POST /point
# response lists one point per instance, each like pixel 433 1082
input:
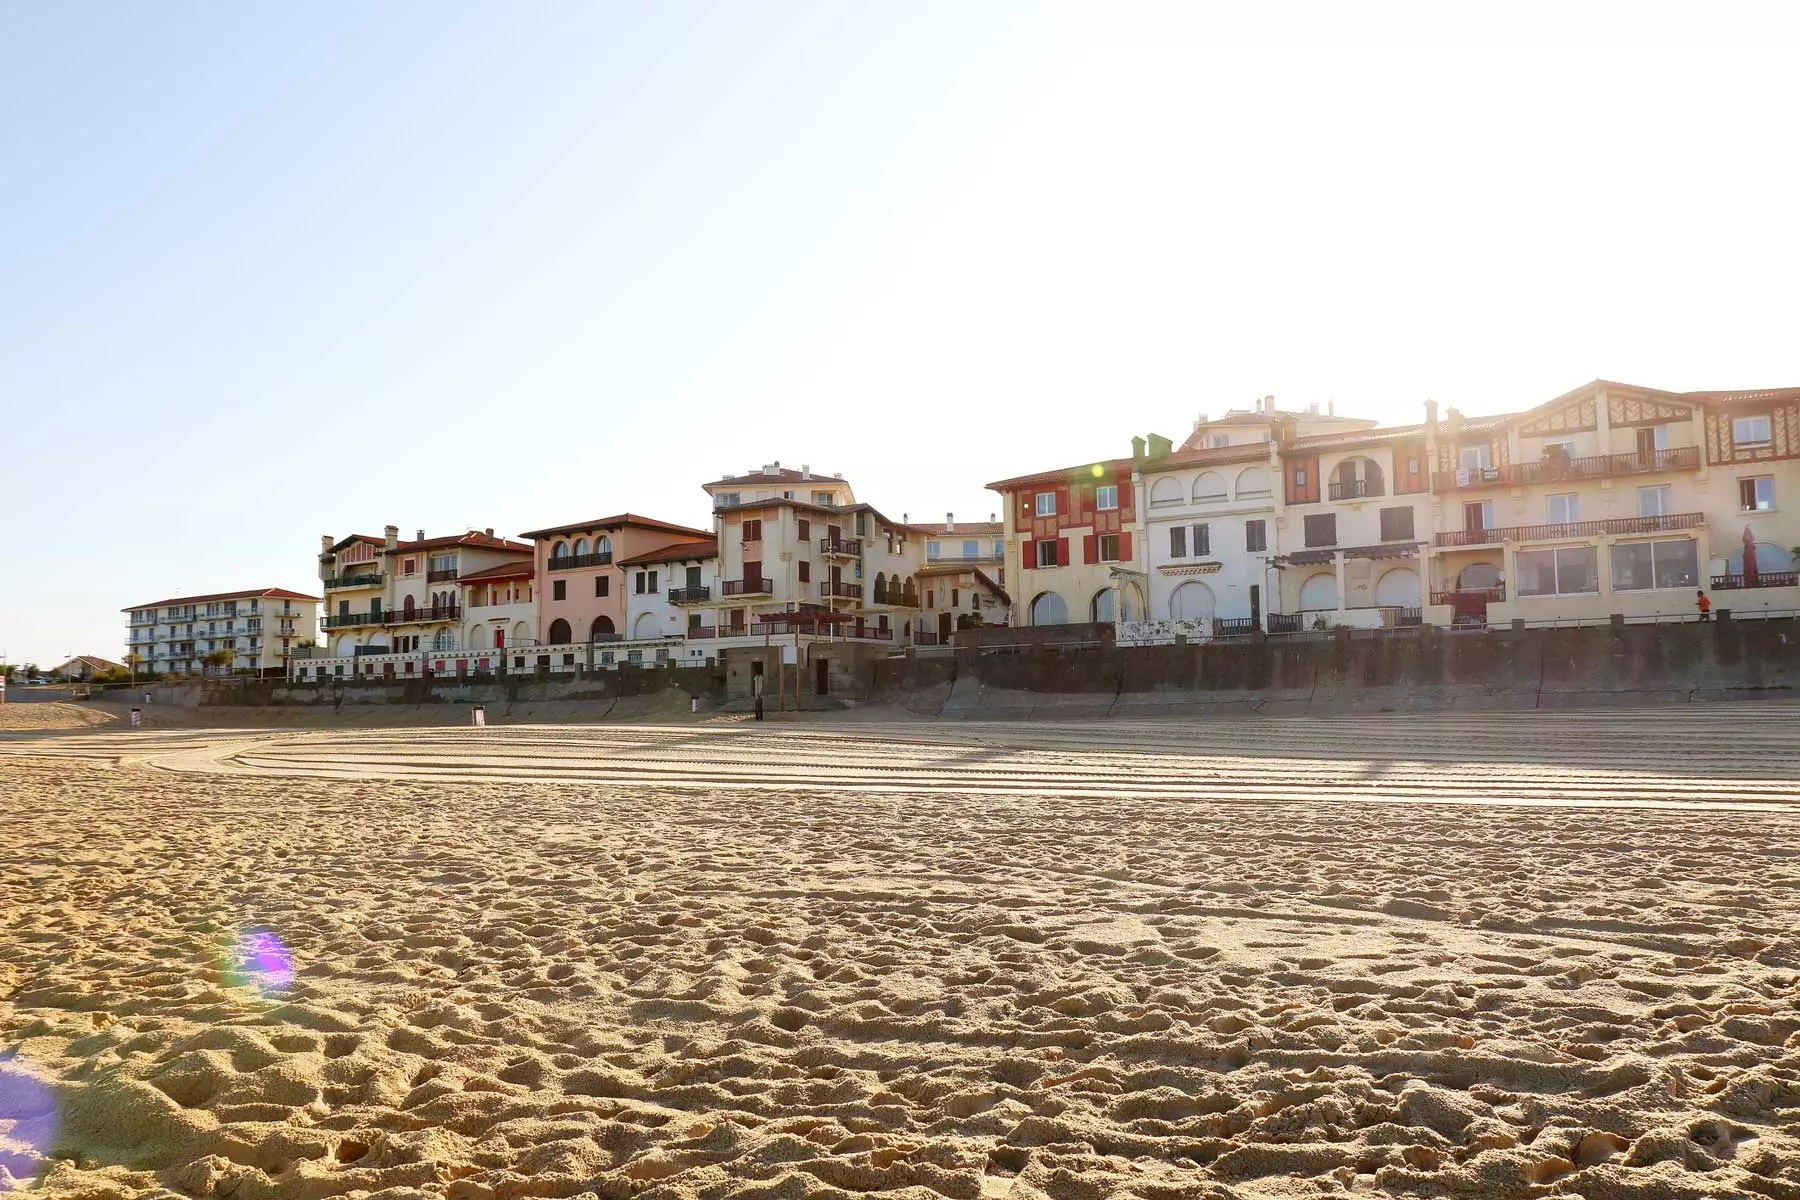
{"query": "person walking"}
pixel 1704 605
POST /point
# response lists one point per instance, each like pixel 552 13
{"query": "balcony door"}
pixel 1478 515
pixel 752 573
pixel 693 577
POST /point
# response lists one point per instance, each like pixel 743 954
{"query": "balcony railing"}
pixel 352 620
pixel 1469 598
pixel 1557 469
pixel 702 631
pixel 426 612
pixel 841 590
pixel 848 547
pixel 572 562
pixel 1356 489
pixel 440 576
pixel 361 579
pixel 1233 626
pixel 1569 529
pixel 690 595
pixel 1284 622
pixel 1729 583
pixel 746 587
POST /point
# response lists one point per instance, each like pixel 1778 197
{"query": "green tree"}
pixel 221 660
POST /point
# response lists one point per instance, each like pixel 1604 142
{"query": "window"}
pixel 1570 571
pixel 728 499
pixel 1108 544
pixel 753 531
pixel 560 550
pixel 1478 515
pixel 1651 438
pixel 602 585
pixel 1757 494
pixel 1046 504
pixel 999 549
pixel 1178 541
pixel 1202 540
pixel 1671 563
pixel 1300 478
pixel 805 528
pixel 1563 448
pixel 788 495
pixel 1256 536
pixel 1563 510
pixel 931 550
pixel 1106 498
pixel 410 566
pixel 1046 553
pixel 559 589
pixel 955 597
pixel 1655 501
pixel 1750 431
pixel 1396 524
pixel 971 549
pixel 1220 440
pixel 822 498
pixel 653 581
pixel 1321 529
pixel 1475 458
pixel 805 572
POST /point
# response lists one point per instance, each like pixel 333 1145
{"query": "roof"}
pixel 1351 438
pixel 1248 452
pixel 674 552
pixel 512 570
pixel 475 539
pixel 952 568
pixel 783 475
pixel 1301 558
pixel 970 528
pixel 618 522
pixel 365 538
pixel 1110 466
pixel 267 593
pixel 94 661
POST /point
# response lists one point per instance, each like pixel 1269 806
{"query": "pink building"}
pixel 579 597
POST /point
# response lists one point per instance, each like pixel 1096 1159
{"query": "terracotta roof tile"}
pixel 617 522
pixel 675 552
pixel 268 593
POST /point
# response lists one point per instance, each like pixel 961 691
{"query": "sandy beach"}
pixel 1527 955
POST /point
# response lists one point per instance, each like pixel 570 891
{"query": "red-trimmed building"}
pixel 1070 549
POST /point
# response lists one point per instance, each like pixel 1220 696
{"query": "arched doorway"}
pixel 1104 608
pixel 1356 477
pixel 559 632
pixel 444 639
pixel 645 626
pixel 1319 594
pixel 1049 609
pixel 601 628
pixel 1192 601
pixel 1131 603
pixel 407 609
pixel 1398 588
pixel 521 634
pixel 1770 560
pixel 1478 577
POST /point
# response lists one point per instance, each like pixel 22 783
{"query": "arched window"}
pixel 559 632
pixel 1398 588
pixel 580 546
pixel 445 640
pixel 881 588
pixel 603 545
pixel 601 628
pixel 407 609
pixel 1319 593
pixel 1770 560
pixel 1210 486
pixel 560 550
pixel 1478 577
pixel 1355 478
pixel 521 634
pixel 1104 607
pixel 645 626
pixel 1253 484
pixel 1192 601
pixel 478 638
pixel 910 597
pixel 1166 490
pixel 1049 609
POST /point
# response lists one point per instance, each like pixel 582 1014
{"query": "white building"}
pixel 262 629
pixel 1209 525
pixel 660 586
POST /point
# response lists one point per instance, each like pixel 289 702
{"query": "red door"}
pixel 499 639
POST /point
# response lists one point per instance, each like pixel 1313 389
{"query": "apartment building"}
pixel 579 598
pixel 389 596
pixel 1072 544
pixel 1210 519
pixel 1616 499
pixel 659 584
pixel 797 552
pixel 499 606
pixel 261 628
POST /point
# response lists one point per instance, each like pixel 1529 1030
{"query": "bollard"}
pixel 137 717
pixel 693 704
pixel 478 717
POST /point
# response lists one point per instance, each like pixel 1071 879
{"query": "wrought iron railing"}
pixel 1559 469
pixel 844 546
pixel 1469 597
pixel 744 587
pixel 1570 529
pixel 1762 579
pixel 1355 489
pixel 424 612
pixel 361 579
pixel 571 562
pixel 689 595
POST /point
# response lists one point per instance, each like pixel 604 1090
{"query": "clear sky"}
pixel 272 271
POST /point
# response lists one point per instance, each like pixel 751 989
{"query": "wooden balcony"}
pixel 1469 598
pixel 1570 530
pixel 1557 469
pixel 573 562
pixel 746 587
pixel 841 547
pixel 690 595
pixel 1355 489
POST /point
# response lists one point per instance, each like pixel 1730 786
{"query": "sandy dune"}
pixel 1250 960
pixel 55 715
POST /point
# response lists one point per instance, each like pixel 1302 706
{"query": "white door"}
pixel 1319 594
pixel 645 626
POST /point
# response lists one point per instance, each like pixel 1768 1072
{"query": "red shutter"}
pixel 1062 552
pixel 1027 555
pixel 1090 548
pixel 1062 501
pixel 1124 498
pixel 1124 547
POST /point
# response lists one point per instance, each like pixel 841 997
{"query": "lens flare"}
pixel 27 1122
pixel 261 963
pixel 1099 470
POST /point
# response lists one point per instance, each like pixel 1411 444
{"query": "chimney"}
pixel 324 543
pixel 1431 415
pixel 490 532
pixel 1268 404
pixel 993 518
pixel 805 471
pixel 390 535
pixel 1137 449
pixel 421 536
pixel 949 522
pixel 1331 408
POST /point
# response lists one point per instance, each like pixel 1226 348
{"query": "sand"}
pixel 1422 956
pixel 49 714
